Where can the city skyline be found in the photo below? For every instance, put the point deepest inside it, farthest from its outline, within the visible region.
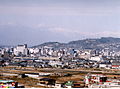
(39, 21)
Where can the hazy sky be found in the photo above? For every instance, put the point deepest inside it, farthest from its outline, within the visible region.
(37, 21)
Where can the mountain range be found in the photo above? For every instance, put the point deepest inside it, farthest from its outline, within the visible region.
(97, 43)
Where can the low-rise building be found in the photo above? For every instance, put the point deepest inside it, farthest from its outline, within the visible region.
(46, 81)
(116, 64)
(105, 65)
(96, 58)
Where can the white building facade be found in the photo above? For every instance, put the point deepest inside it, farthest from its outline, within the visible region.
(21, 50)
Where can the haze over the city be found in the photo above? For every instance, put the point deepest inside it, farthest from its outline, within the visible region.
(37, 21)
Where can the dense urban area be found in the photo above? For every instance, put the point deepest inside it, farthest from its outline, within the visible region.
(89, 63)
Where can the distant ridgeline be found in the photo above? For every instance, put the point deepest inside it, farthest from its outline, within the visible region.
(98, 43)
(3, 46)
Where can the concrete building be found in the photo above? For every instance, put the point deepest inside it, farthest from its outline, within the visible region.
(85, 55)
(116, 64)
(21, 50)
(96, 58)
(105, 65)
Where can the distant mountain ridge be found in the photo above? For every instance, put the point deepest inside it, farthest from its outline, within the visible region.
(84, 44)
(4, 46)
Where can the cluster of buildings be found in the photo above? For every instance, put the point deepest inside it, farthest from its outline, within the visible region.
(64, 58)
(59, 58)
(23, 50)
(101, 81)
(10, 84)
(52, 83)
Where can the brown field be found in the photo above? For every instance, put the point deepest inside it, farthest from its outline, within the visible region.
(76, 74)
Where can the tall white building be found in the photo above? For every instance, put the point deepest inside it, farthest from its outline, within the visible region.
(21, 50)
